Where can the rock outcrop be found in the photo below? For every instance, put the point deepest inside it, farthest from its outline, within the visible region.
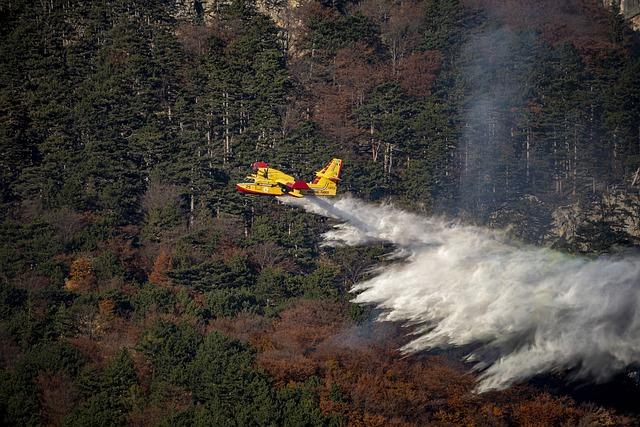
(204, 10)
(600, 225)
(630, 9)
(283, 13)
(613, 220)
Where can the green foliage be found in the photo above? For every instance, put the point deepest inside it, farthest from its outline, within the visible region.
(184, 418)
(19, 403)
(234, 273)
(331, 34)
(11, 300)
(159, 220)
(107, 265)
(300, 407)
(336, 394)
(320, 283)
(153, 297)
(29, 246)
(170, 348)
(445, 20)
(127, 121)
(222, 378)
(88, 238)
(228, 302)
(110, 398)
(274, 285)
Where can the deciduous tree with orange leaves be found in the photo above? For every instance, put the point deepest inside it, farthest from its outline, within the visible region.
(162, 264)
(81, 278)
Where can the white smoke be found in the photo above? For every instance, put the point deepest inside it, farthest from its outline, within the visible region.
(525, 310)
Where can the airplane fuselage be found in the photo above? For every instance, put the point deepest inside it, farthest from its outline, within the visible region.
(267, 181)
(265, 190)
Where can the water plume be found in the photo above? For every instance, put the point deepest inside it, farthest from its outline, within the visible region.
(524, 310)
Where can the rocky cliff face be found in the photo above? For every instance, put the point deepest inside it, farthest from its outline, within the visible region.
(197, 9)
(612, 220)
(630, 9)
(600, 225)
(283, 13)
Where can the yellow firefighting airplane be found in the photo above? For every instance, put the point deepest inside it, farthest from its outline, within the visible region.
(272, 182)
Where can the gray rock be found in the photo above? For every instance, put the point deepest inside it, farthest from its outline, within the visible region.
(597, 226)
(600, 225)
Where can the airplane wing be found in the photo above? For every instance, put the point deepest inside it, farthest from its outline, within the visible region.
(270, 176)
(273, 177)
(289, 188)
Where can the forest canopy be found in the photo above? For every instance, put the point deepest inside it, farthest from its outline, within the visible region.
(138, 287)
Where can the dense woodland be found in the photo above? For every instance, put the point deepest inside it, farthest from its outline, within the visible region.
(137, 287)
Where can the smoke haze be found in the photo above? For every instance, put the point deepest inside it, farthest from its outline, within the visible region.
(524, 310)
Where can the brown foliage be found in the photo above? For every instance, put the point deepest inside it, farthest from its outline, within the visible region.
(102, 343)
(10, 349)
(400, 24)
(161, 265)
(117, 57)
(417, 72)
(57, 394)
(381, 386)
(546, 410)
(353, 75)
(194, 38)
(244, 327)
(67, 222)
(107, 309)
(342, 83)
(81, 278)
(172, 400)
(270, 255)
(119, 334)
(227, 250)
(289, 347)
(158, 196)
(88, 347)
(580, 22)
(32, 282)
(314, 10)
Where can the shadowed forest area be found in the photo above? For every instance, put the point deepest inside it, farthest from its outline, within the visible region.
(137, 287)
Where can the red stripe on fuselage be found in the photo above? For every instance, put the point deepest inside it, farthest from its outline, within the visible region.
(244, 190)
(260, 193)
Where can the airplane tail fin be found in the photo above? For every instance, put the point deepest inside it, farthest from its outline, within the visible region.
(326, 181)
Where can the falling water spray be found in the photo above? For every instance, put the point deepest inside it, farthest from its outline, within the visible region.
(524, 310)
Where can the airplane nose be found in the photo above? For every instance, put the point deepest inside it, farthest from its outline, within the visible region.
(241, 188)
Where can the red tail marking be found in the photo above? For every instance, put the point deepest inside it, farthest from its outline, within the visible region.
(258, 165)
(299, 185)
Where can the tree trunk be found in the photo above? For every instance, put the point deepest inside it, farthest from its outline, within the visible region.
(528, 155)
(209, 153)
(375, 146)
(575, 162)
(227, 136)
(192, 206)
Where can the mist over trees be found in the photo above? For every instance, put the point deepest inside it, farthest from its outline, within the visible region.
(138, 287)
